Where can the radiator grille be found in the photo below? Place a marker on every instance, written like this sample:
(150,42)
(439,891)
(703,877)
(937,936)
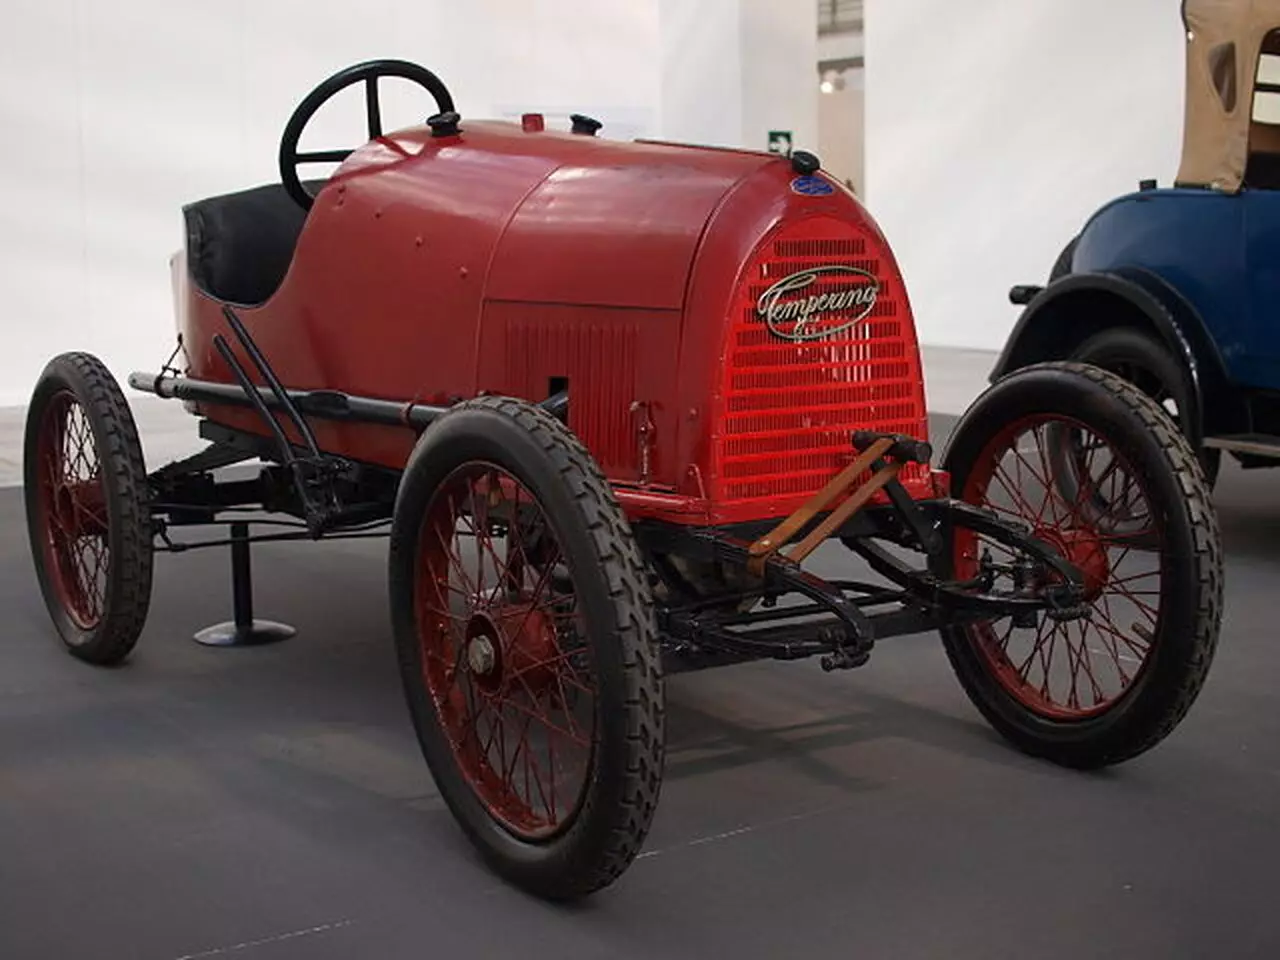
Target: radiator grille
(787,407)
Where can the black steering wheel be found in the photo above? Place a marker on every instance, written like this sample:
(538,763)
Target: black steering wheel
(445,121)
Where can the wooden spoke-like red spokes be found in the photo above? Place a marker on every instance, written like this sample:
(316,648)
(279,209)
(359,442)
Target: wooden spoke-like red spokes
(1093,508)
(503,649)
(73,513)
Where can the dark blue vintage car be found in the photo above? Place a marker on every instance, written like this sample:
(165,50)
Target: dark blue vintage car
(1178,289)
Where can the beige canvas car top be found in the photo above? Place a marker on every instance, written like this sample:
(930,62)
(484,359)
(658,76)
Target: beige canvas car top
(1224,41)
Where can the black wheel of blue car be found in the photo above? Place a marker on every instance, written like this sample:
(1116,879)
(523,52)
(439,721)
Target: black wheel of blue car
(528,646)
(85,485)
(1112,680)
(1151,367)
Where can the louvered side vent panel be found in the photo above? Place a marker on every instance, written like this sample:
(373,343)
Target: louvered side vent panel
(599,360)
(789,407)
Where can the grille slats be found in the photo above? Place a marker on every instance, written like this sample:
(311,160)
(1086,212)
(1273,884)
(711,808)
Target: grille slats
(789,408)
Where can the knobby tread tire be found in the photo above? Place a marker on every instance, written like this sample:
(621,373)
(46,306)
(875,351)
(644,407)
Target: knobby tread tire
(1159,700)
(124,477)
(602,842)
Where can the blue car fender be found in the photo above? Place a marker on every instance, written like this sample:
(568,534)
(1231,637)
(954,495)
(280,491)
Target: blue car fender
(1060,316)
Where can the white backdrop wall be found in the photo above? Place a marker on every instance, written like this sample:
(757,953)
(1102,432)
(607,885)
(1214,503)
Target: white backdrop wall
(115,114)
(779,45)
(841,124)
(700,74)
(995,128)
(732,70)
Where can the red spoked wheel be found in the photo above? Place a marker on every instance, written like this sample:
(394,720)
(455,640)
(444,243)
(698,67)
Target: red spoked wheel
(1072,668)
(503,652)
(528,646)
(87,516)
(72,507)
(1103,683)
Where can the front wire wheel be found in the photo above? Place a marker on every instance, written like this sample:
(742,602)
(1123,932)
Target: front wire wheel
(504,658)
(528,646)
(88,520)
(1107,682)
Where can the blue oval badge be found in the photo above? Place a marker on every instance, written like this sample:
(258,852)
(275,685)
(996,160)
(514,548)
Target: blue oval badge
(812,186)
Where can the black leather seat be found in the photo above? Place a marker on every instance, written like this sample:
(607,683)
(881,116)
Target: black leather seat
(240,245)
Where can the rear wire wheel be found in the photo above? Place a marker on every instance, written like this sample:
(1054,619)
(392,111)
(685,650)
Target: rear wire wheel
(1107,686)
(528,646)
(85,484)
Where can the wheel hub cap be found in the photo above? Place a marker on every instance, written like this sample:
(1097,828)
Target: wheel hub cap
(481,656)
(514,643)
(483,650)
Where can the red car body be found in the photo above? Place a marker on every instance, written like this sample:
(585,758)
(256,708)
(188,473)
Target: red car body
(510,259)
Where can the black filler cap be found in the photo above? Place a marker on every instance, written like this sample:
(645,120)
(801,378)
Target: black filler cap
(587,126)
(805,163)
(444,124)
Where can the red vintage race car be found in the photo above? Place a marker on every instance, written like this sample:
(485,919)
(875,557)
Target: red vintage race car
(609,397)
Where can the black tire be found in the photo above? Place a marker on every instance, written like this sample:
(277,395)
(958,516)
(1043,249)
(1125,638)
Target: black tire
(618,644)
(89,524)
(1181,636)
(1150,366)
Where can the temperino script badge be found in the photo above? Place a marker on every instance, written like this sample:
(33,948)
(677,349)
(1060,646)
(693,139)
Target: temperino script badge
(793,311)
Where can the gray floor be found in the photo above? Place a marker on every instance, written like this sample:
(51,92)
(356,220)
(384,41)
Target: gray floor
(272,804)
